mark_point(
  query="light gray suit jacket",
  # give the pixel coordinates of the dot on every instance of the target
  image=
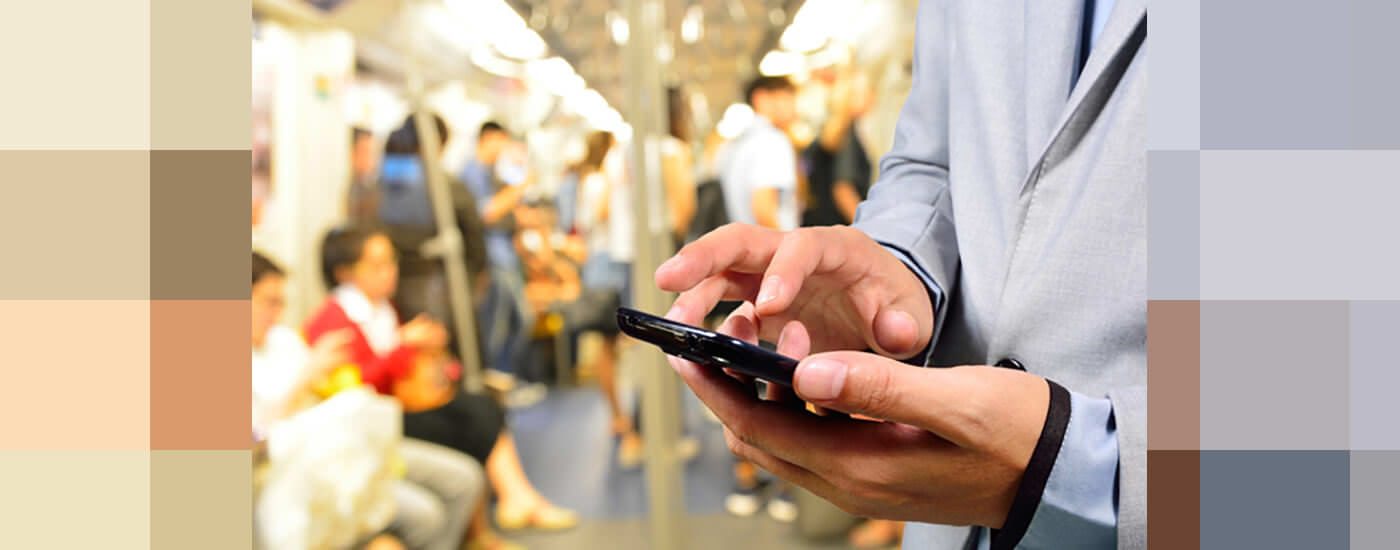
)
(1025, 202)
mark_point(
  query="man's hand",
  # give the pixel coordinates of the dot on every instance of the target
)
(952, 451)
(847, 291)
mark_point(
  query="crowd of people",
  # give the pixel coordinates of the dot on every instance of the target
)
(544, 267)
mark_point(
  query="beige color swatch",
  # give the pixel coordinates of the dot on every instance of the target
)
(201, 499)
(77, 74)
(201, 56)
(76, 499)
(75, 224)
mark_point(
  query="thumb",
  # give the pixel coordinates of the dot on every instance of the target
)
(864, 383)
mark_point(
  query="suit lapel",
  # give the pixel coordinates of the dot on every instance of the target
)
(1051, 40)
(1126, 29)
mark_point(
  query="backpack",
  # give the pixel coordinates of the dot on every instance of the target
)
(710, 213)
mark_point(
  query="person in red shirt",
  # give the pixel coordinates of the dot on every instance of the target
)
(410, 362)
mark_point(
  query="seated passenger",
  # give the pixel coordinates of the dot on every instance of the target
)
(441, 486)
(410, 362)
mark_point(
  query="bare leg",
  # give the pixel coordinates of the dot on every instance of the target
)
(607, 380)
(506, 475)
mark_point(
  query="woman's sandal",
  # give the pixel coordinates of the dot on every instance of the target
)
(546, 517)
(491, 542)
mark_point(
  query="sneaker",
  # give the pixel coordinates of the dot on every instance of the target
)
(782, 508)
(687, 449)
(744, 502)
(525, 395)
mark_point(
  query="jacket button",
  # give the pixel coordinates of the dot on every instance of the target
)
(1010, 363)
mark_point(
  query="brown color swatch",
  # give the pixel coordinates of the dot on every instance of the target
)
(1173, 499)
(201, 389)
(199, 225)
(84, 366)
(201, 499)
(200, 54)
(75, 225)
(1174, 374)
(76, 499)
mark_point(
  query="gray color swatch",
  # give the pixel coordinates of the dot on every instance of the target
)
(1274, 375)
(1173, 225)
(1174, 99)
(1280, 500)
(1375, 375)
(1300, 225)
(1295, 74)
(1375, 480)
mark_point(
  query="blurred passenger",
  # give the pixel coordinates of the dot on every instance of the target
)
(606, 222)
(759, 177)
(505, 315)
(409, 362)
(407, 213)
(838, 168)
(760, 170)
(441, 486)
(362, 196)
(678, 166)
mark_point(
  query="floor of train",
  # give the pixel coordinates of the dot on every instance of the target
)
(567, 453)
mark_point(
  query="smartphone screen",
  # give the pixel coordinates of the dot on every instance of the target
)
(706, 347)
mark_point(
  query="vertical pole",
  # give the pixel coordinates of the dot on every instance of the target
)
(447, 245)
(660, 394)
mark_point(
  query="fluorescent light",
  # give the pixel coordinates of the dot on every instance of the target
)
(618, 26)
(693, 24)
(736, 119)
(556, 75)
(778, 63)
(500, 25)
(816, 21)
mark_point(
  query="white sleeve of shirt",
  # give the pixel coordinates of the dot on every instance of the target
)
(772, 164)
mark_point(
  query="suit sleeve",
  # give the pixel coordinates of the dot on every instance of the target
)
(910, 208)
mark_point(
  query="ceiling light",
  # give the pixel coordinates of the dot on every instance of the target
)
(618, 26)
(693, 24)
(778, 63)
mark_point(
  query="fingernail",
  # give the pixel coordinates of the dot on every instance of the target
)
(769, 291)
(674, 312)
(670, 264)
(821, 379)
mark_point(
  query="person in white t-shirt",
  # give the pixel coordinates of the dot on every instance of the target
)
(759, 174)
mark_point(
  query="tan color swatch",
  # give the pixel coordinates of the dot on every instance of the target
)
(76, 499)
(1174, 374)
(200, 54)
(75, 225)
(199, 219)
(78, 376)
(201, 499)
(77, 75)
(201, 388)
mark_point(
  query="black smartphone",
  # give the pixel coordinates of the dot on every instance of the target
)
(706, 347)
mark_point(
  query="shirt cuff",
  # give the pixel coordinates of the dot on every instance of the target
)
(935, 297)
(1068, 497)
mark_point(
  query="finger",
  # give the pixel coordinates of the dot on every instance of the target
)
(896, 331)
(734, 247)
(693, 305)
(741, 324)
(800, 254)
(793, 342)
(792, 435)
(942, 401)
(779, 467)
